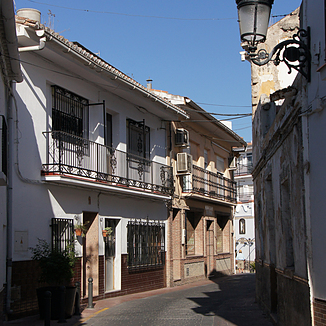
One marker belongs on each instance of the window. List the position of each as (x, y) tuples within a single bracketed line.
[(249, 163), (62, 234), (222, 222), (145, 244), (205, 158), (192, 221), (138, 139), (242, 226), (69, 113), (108, 132), (220, 164)]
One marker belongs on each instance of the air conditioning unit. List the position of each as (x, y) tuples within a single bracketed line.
[(184, 163), (182, 137), (232, 163)]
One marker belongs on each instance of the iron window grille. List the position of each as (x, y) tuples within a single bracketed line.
[(146, 244), (138, 139), (62, 234), (69, 112)]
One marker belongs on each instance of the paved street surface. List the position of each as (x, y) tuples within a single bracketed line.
[(227, 301), (223, 301)]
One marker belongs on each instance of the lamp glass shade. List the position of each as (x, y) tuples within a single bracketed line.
[(253, 22)]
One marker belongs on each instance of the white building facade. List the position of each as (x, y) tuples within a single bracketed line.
[(89, 147), (244, 216), (10, 73)]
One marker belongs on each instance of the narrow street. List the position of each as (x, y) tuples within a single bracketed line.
[(224, 301)]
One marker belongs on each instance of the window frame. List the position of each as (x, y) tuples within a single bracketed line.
[(62, 234), (69, 113), (242, 226), (143, 139), (145, 244)]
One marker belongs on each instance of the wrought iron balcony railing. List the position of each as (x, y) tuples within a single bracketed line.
[(246, 197), (72, 155), (243, 169), (210, 184)]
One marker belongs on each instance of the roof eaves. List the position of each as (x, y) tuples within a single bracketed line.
[(96, 60)]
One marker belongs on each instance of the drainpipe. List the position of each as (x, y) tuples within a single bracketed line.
[(9, 202), (38, 47)]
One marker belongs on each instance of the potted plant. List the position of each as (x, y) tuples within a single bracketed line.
[(107, 231), (81, 229), (56, 271)]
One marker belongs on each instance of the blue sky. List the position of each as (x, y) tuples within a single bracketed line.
[(189, 48)]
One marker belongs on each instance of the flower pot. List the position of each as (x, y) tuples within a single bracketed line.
[(78, 232), (70, 297), (104, 233)]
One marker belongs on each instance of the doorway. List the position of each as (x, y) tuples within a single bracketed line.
[(110, 254)]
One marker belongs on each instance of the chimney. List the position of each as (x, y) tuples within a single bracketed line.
[(30, 13), (149, 83)]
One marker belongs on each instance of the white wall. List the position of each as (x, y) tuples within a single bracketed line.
[(35, 203), (315, 148)]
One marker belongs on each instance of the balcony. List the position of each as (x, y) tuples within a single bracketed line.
[(69, 155), (209, 184), (243, 169)]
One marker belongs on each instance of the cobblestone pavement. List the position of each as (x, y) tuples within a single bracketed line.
[(225, 301), (222, 301)]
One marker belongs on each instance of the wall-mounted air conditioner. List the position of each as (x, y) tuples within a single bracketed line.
[(184, 163), (181, 137), (232, 163)]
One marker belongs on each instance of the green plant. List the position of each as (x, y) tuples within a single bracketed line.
[(56, 266), (108, 230), (82, 227), (253, 266)]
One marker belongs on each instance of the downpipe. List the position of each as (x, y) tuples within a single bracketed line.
[(38, 47)]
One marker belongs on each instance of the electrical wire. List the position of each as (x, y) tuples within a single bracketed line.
[(132, 15), (142, 16), (226, 105), (238, 115)]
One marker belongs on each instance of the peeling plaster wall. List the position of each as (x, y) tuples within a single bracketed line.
[(270, 78), (278, 98), (280, 212)]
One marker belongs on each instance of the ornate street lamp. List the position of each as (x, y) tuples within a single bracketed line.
[(253, 22)]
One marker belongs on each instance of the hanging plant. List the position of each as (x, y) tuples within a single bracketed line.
[(107, 231), (81, 229)]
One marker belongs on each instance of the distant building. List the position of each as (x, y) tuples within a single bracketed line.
[(244, 217), (200, 228)]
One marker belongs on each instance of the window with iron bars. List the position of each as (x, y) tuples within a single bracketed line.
[(69, 112), (62, 234), (146, 244), (138, 139)]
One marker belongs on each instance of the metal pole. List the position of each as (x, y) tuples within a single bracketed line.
[(90, 293)]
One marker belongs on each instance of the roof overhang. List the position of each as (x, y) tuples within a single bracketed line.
[(211, 127), (9, 41), (83, 64)]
